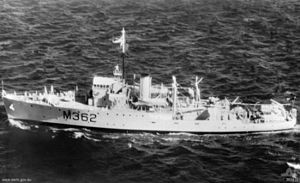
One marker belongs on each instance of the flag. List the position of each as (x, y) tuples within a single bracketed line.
[(122, 41)]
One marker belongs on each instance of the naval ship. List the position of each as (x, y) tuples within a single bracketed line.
[(115, 105)]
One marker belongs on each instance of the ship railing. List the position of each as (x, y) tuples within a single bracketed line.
[(258, 104), (191, 104), (42, 96)]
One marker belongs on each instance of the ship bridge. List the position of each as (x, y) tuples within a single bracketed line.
[(106, 84), (103, 82)]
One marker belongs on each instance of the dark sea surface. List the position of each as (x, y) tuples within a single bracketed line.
[(247, 48)]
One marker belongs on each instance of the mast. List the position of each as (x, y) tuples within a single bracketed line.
[(174, 96), (198, 94), (2, 89), (123, 45), (123, 65)]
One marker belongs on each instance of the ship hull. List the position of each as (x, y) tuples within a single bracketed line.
[(130, 120)]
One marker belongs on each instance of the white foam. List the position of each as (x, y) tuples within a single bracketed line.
[(86, 129), (84, 135), (129, 145), (93, 139), (64, 129), (294, 165), (70, 129), (78, 135), (5, 42), (183, 133), (111, 136), (18, 124)]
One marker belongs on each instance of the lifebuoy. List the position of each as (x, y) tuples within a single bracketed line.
[(241, 115), (96, 93)]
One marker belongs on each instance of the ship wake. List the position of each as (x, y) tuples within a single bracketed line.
[(18, 124)]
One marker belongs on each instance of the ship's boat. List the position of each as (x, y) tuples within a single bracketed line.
[(113, 104)]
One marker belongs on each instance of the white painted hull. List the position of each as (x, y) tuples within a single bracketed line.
[(131, 120)]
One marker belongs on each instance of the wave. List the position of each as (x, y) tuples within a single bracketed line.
[(18, 124), (80, 135), (54, 129), (5, 43), (77, 133), (294, 165)]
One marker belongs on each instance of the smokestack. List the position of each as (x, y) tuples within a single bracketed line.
[(145, 87)]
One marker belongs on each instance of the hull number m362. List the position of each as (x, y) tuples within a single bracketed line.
[(79, 116)]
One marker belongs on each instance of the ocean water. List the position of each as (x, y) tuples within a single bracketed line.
[(246, 48)]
